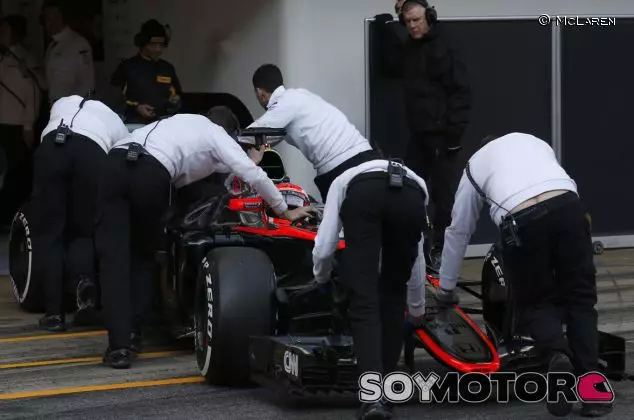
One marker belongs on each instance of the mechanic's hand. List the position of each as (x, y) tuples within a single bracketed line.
[(413, 322), (145, 110), (447, 297), (300, 212), (256, 155)]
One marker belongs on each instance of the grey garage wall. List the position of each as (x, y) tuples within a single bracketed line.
[(509, 65)]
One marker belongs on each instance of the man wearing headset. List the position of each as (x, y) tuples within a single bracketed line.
[(438, 102), (546, 249), (149, 85), (67, 167), (136, 192)]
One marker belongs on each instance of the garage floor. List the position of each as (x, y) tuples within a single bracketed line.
[(60, 376)]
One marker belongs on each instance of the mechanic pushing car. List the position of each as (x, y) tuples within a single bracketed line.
[(381, 206), (149, 85), (319, 130), (546, 249), (67, 167), (134, 195)]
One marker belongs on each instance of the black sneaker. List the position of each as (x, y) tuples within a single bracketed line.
[(117, 359), (595, 409), (53, 323), (380, 410), (560, 362)]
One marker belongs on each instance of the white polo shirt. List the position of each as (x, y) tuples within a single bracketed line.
[(509, 170), (69, 66), (95, 121), (191, 148), (319, 130), (328, 234)]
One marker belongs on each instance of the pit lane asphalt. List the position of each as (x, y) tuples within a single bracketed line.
[(34, 364)]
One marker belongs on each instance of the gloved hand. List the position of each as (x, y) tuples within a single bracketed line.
[(447, 297), (413, 322)]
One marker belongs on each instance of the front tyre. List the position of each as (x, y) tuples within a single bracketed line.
[(235, 299)]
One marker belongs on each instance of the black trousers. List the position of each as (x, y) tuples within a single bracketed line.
[(133, 198), (16, 187), (324, 181), (379, 222), (553, 280), (62, 213), (428, 157)]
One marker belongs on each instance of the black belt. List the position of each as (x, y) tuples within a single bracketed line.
[(541, 209), (383, 176)]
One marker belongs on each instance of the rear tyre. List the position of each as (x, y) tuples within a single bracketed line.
[(235, 299), (26, 290)]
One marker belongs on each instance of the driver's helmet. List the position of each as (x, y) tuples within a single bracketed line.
[(294, 195)]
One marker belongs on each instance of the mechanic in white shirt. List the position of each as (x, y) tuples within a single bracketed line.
[(134, 196), (318, 129), (380, 222), (67, 167), (19, 108), (68, 62), (546, 246)]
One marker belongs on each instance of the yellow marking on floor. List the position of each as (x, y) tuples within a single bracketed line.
[(106, 387), (85, 360), (52, 336)]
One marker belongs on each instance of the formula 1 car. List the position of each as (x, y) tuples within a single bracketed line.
[(237, 279)]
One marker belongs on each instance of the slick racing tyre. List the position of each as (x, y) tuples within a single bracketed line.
[(235, 299), (27, 292)]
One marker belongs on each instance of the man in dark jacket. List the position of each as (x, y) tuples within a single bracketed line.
[(438, 102)]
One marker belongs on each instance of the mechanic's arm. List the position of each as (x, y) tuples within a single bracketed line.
[(327, 237), (416, 283), (464, 220), (278, 115), (231, 155), (456, 84)]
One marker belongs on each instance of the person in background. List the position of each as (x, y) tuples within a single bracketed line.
[(320, 131), (149, 85), (20, 95), (546, 249), (68, 62), (438, 102)]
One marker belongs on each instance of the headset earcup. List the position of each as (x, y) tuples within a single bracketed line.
[(431, 16)]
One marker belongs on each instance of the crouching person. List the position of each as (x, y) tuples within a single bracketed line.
[(546, 249), (67, 166), (134, 195), (381, 206)]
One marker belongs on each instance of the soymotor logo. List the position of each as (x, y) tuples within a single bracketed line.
[(399, 387)]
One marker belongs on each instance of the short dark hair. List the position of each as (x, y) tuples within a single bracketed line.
[(224, 117), (18, 26), (62, 5), (268, 77)]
